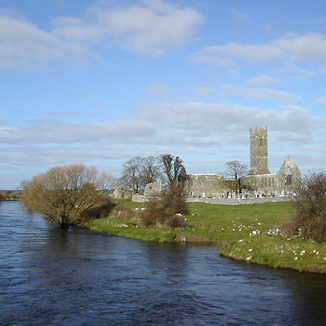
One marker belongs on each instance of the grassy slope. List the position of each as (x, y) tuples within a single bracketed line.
[(232, 229)]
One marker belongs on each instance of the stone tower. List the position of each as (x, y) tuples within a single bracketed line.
[(258, 151)]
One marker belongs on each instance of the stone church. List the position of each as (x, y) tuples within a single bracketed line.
[(259, 177), (259, 181)]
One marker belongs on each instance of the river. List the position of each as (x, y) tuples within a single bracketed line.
[(50, 276)]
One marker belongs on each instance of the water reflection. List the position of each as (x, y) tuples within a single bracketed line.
[(51, 276)]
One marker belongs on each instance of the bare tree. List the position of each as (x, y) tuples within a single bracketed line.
[(139, 171), (150, 169), (63, 193), (236, 170), (131, 174)]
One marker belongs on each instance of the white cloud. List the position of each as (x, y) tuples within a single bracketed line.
[(25, 44), (193, 124), (152, 28), (263, 93), (262, 80), (291, 48), (193, 130), (321, 100), (228, 54), (310, 47)]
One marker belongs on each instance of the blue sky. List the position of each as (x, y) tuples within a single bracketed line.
[(98, 82)]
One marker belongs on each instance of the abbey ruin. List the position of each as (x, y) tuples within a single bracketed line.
[(259, 185)]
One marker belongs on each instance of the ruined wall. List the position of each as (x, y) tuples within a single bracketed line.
[(259, 185), (289, 175), (281, 183), (121, 192), (152, 192), (207, 185)]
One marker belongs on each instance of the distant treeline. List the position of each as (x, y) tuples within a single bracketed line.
[(10, 195)]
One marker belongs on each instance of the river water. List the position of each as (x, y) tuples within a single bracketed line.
[(50, 276)]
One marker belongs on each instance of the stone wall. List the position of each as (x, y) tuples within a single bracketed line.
[(284, 181), (152, 192), (121, 192), (207, 185)]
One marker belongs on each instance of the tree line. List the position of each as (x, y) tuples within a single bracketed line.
[(69, 195)]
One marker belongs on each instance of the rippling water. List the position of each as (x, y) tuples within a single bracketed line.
[(50, 276)]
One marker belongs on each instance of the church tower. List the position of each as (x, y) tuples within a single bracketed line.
[(258, 151)]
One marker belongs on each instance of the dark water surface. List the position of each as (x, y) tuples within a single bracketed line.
[(53, 277)]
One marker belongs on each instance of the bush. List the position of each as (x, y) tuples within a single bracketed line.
[(100, 211), (176, 222), (174, 199), (164, 212), (152, 215), (310, 208)]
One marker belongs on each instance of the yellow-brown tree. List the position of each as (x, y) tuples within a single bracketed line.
[(64, 193)]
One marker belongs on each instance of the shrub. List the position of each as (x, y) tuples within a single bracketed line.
[(176, 222), (310, 208), (152, 215), (100, 211), (164, 212), (174, 198)]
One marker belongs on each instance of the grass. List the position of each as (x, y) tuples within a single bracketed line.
[(240, 232)]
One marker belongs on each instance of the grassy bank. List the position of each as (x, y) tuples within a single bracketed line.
[(241, 232)]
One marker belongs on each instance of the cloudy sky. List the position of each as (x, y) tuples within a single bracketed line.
[(98, 82)]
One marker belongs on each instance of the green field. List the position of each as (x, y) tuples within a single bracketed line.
[(240, 232)]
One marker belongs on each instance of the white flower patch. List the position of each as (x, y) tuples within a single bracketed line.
[(276, 231), (253, 233)]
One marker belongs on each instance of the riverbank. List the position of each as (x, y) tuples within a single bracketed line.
[(10, 195), (243, 233)]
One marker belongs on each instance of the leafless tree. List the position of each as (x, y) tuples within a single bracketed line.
[(64, 192), (150, 169), (139, 171), (236, 170), (131, 174)]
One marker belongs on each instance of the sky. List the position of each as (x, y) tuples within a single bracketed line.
[(100, 82)]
